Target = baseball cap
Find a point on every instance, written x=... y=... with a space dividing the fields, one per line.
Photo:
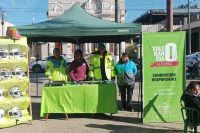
x=101 y=45
x=56 y=50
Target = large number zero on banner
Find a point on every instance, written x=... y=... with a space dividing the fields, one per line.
x=170 y=52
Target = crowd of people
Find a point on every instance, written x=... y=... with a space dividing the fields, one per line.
x=101 y=68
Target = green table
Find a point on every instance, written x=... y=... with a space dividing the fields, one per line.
x=86 y=98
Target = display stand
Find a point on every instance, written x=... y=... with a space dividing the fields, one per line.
x=15 y=101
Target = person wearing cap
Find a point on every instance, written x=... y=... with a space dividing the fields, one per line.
x=126 y=71
x=56 y=67
x=101 y=64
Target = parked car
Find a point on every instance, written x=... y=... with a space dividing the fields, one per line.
x=192 y=59
x=192 y=65
x=40 y=65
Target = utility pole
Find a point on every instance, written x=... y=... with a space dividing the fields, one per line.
x=189 y=29
x=170 y=15
x=116 y=46
x=116 y=10
x=2 y=20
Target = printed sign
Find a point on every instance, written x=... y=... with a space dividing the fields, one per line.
x=163 y=75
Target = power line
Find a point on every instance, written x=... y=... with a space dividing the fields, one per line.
x=25 y=8
x=23 y=11
x=157 y=3
x=142 y=9
x=25 y=22
x=144 y=4
x=10 y=10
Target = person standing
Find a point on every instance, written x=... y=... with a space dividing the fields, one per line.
x=101 y=64
x=78 y=68
x=56 y=68
x=126 y=71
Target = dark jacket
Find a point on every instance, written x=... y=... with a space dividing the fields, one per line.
x=191 y=100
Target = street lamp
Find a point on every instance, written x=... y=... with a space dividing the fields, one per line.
x=189 y=29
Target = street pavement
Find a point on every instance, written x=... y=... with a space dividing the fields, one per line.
x=122 y=122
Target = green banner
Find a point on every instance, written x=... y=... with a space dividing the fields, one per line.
x=163 y=75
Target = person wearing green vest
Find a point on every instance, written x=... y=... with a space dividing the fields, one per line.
x=101 y=65
x=56 y=68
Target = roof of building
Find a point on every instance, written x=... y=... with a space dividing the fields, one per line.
x=156 y=15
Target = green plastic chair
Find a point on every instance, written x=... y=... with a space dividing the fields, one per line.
x=191 y=116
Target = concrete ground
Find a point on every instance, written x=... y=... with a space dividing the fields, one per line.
x=122 y=122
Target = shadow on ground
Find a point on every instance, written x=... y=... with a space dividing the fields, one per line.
x=102 y=116
x=137 y=105
x=136 y=123
x=132 y=129
x=99 y=116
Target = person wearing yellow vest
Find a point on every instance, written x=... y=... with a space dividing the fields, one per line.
x=56 y=67
x=101 y=64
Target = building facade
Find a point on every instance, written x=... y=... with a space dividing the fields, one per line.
x=154 y=20
x=104 y=9
x=3 y=27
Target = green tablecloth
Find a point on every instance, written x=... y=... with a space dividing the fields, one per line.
x=86 y=98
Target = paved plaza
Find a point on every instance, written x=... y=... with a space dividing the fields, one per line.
x=122 y=122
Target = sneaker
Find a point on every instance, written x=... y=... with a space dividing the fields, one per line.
x=191 y=129
x=130 y=109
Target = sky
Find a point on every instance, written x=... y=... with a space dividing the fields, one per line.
x=136 y=8
x=23 y=12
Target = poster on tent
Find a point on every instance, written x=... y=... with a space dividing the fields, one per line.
x=163 y=75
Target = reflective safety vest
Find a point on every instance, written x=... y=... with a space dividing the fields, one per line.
x=95 y=70
x=56 y=69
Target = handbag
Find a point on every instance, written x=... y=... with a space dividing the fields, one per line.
x=128 y=78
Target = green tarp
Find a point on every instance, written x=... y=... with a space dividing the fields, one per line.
x=77 y=25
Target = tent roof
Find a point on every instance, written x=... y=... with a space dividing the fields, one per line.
x=76 y=25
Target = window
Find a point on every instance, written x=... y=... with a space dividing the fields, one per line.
x=97 y=6
x=58 y=8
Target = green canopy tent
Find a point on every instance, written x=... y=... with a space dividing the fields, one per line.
x=76 y=25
